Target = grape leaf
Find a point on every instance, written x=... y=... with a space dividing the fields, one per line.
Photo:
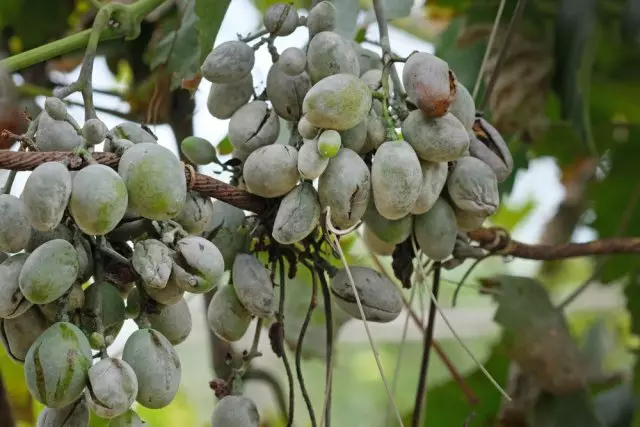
x=224 y=147
x=536 y=334
x=210 y=14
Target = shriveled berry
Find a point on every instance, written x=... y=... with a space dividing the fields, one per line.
x=226 y=98
x=19 y=333
x=253 y=286
x=287 y=92
x=328 y=54
x=436 y=231
x=46 y=194
x=12 y=301
x=196 y=215
x=112 y=387
x=229 y=62
x=15 y=229
x=298 y=215
x=473 y=187
x=429 y=83
x=253 y=126
x=202 y=258
x=439 y=139
x=281 y=19
x=271 y=171
x=152 y=261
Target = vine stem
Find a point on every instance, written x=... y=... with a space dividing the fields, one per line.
x=303 y=330
x=385 y=45
x=285 y=359
x=137 y=11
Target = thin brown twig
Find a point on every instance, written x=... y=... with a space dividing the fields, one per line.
x=326 y=296
x=285 y=359
x=303 y=330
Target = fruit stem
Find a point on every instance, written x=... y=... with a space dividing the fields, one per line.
x=387 y=55
x=137 y=11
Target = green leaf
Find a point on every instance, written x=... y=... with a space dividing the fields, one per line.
x=508 y=217
x=225 y=147
x=36 y=24
x=569 y=410
x=631 y=21
x=536 y=334
x=210 y=14
x=576 y=36
x=561 y=141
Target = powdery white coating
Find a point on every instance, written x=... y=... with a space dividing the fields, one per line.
x=368 y=59
x=439 y=139
x=98 y=200
x=298 y=215
x=376 y=245
x=39 y=237
x=322 y=17
x=152 y=261
x=293 y=61
x=173 y=321
x=500 y=167
x=230 y=236
x=392 y=231
x=226 y=315
x=310 y=163
x=228 y=62
x=306 y=129
x=355 y=137
x=170 y=294
x=56 y=108
x=373 y=79
x=196 y=215
x=468 y=221
x=198 y=150
x=226 y=98
x=128 y=134
x=56 y=365
x=226 y=215
x=19 y=333
x=49 y=271
x=436 y=231
x=337 y=102
x=94 y=131
x=155 y=181
x=380 y=298
x=46 y=194
x=56 y=135
x=15 y=228
x=128 y=419
x=253 y=126
x=253 y=286
x=156 y=365
x=426 y=79
x=473 y=187
x=345 y=186
x=112 y=387
x=286 y=92
x=106 y=298
x=281 y=19
x=434 y=177
x=75 y=414
x=202 y=257
x=396 y=179
x=463 y=106
x=329 y=53
x=12 y=301
x=236 y=411
x=329 y=143
x=271 y=171
x=376 y=133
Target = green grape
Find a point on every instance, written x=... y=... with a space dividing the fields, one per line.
x=19 y=333
x=226 y=315
x=236 y=411
x=75 y=414
x=156 y=365
x=152 y=261
x=329 y=143
x=434 y=177
x=56 y=135
x=197 y=214
x=293 y=61
x=473 y=187
x=228 y=62
x=202 y=258
x=253 y=286
x=298 y=215
x=396 y=178
x=49 y=271
x=56 y=365
x=15 y=229
x=94 y=131
x=436 y=231
x=380 y=298
x=286 y=92
x=253 y=126
x=322 y=17
x=112 y=387
x=393 y=231
x=98 y=199
x=281 y=19
x=345 y=187
x=271 y=171
x=103 y=298
x=12 y=301
x=429 y=83
x=56 y=108
x=439 y=139
x=128 y=419
x=226 y=98
x=46 y=194
x=328 y=54
x=155 y=181
x=337 y=102
x=198 y=150
x=310 y=163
